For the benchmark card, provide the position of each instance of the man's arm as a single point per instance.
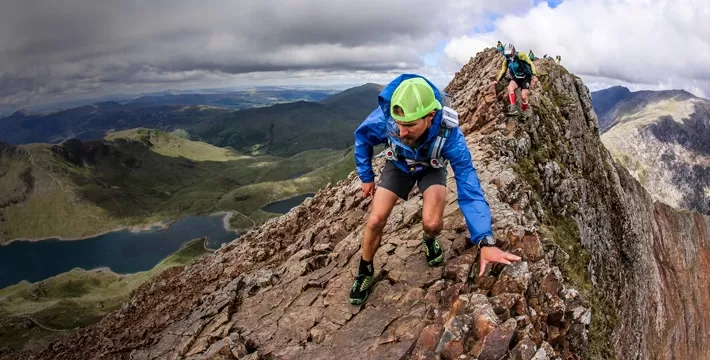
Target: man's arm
(502, 70)
(372, 132)
(471, 200)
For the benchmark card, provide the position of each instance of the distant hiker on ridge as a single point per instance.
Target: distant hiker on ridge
(422, 137)
(522, 71)
(499, 46)
(558, 59)
(531, 55)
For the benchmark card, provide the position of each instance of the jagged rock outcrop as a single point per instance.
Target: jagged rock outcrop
(558, 201)
(648, 262)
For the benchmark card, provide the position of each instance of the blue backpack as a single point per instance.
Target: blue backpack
(518, 68)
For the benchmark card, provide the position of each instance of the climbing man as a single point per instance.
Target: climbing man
(422, 138)
(522, 71)
(531, 55)
(499, 46)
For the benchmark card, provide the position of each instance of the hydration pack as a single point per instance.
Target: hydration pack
(518, 68)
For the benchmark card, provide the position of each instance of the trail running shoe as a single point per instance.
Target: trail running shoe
(361, 289)
(434, 254)
(513, 110)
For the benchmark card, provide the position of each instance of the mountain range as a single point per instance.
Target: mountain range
(663, 139)
(280, 129)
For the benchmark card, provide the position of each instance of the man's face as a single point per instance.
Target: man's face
(410, 132)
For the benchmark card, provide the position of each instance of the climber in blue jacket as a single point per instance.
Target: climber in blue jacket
(422, 137)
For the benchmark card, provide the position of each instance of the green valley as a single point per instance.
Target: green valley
(138, 177)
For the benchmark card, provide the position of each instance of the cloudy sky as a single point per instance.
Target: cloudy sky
(62, 49)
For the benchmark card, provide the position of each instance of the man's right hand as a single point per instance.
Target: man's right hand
(491, 254)
(494, 82)
(368, 189)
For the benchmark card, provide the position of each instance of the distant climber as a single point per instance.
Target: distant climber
(531, 55)
(499, 47)
(522, 71)
(558, 59)
(422, 137)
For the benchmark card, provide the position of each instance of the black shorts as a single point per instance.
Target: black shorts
(401, 183)
(523, 83)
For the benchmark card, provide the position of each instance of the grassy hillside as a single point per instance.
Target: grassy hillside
(291, 128)
(361, 97)
(73, 299)
(248, 200)
(136, 177)
(174, 145)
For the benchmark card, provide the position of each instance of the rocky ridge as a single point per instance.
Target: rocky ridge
(281, 290)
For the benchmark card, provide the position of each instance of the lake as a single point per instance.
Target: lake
(124, 252)
(284, 206)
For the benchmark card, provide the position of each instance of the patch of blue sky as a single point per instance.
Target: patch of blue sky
(551, 3)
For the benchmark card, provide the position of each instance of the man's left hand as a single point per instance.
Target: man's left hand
(534, 80)
(494, 254)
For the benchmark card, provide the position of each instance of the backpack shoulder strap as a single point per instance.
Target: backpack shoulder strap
(438, 146)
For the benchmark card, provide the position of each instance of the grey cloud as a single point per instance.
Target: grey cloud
(80, 44)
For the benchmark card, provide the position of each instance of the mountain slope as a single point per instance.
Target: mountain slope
(287, 129)
(615, 103)
(94, 122)
(589, 235)
(360, 97)
(134, 177)
(663, 139)
(604, 102)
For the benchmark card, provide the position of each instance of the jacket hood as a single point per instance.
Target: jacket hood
(385, 97)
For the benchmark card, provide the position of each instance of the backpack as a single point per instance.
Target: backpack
(518, 67)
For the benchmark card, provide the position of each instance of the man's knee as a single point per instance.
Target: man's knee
(512, 86)
(432, 226)
(376, 222)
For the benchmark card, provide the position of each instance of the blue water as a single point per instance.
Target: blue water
(284, 206)
(123, 252)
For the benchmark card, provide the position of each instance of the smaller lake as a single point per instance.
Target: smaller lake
(124, 252)
(284, 206)
(298, 174)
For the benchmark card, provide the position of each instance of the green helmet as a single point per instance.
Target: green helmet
(415, 97)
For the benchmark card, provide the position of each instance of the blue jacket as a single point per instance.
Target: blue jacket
(379, 127)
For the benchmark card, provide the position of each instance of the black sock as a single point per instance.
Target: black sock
(366, 267)
(427, 239)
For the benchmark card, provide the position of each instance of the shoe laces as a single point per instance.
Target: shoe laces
(362, 282)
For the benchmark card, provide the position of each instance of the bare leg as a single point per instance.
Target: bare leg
(433, 210)
(524, 94)
(382, 204)
(512, 86)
